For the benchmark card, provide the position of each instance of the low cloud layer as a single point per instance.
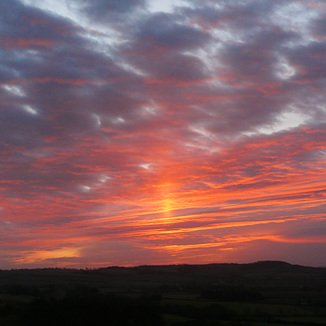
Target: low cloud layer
(189, 134)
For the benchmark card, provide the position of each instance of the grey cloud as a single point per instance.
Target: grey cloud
(161, 32)
(255, 59)
(108, 11)
(158, 46)
(66, 84)
(248, 16)
(309, 61)
(318, 27)
(181, 68)
(24, 26)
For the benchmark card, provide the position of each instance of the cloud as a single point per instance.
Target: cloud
(178, 135)
(318, 28)
(29, 27)
(109, 11)
(167, 32)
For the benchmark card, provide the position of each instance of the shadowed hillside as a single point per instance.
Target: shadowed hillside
(166, 295)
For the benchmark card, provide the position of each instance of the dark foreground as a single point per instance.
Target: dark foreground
(263, 293)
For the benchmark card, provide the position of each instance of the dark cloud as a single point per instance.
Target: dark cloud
(255, 60)
(162, 32)
(29, 27)
(158, 48)
(108, 11)
(318, 28)
(309, 61)
(243, 16)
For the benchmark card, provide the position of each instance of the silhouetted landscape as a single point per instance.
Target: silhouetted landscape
(262, 293)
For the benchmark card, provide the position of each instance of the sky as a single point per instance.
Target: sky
(138, 132)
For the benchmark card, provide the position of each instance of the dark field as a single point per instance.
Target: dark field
(263, 293)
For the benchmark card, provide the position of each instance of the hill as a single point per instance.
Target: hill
(261, 293)
(276, 281)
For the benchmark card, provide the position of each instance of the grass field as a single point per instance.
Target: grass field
(247, 312)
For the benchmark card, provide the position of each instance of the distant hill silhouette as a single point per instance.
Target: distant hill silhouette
(271, 281)
(154, 275)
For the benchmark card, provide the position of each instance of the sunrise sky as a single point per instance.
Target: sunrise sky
(140, 132)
